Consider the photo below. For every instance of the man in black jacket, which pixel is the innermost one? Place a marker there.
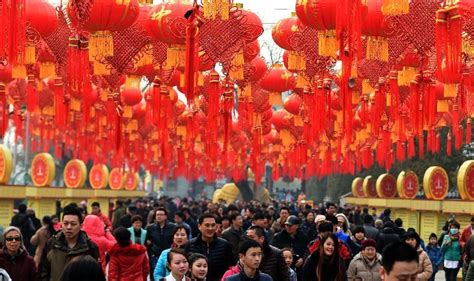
(292, 237)
(387, 236)
(217, 250)
(159, 237)
(234, 233)
(273, 262)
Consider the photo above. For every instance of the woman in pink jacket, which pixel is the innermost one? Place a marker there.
(95, 229)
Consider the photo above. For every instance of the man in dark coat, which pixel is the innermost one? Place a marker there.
(217, 250)
(273, 262)
(387, 236)
(370, 231)
(65, 245)
(234, 233)
(292, 237)
(159, 237)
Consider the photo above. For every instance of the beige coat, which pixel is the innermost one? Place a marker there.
(359, 267)
(39, 240)
(425, 269)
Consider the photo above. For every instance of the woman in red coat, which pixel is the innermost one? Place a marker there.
(15, 259)
(128, 262)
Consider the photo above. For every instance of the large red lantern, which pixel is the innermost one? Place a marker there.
(320, 15)
(167, 23)
(278, 80)
(283, 29)
(42, 16)
(107, 15)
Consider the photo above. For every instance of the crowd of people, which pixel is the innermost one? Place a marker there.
(185, 240)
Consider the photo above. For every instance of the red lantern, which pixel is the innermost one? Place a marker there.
(318, 14)
(284, 29)
(376, 28)
(293, 104)
(278, 80)
(107, 15)
(281, 119)
(167, 23)
(42, 16)
(251, 50)
(131, 96)
(139, 110)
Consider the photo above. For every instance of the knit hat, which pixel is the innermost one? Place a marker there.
(319, 218)
(368, 243)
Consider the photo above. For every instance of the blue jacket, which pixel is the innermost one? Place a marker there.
(142, 235)
(435, 254)
(161, 270)
(240, 277)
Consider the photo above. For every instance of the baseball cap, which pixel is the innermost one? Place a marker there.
(292, 220)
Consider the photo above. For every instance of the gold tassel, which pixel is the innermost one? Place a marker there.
(175, 56)
(366, 87)
(145, 59)
(182, 79)
(328, 44)
(238, 59)
(100, 69)
(19, 71)
(237, 73)
(301, 82)
(216, 8)
(200, 79)
(450, 90)
(123, 2)
(296, 62)
(377, 48)
(30, 54)
(75, 104)
(406, 75)
(275, 99)
(467, 47)
(395, 7)
(355, 97)
(127, 111)
(101, 44)
(47, 69)
(442, 106)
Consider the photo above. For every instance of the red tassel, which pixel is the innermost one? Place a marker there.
(421, 146)
(191, 55)
(60, 113)
(441, 40)
(17, 38)
(3, 111)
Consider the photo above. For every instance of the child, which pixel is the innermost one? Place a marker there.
(434, 252)
(288, 255)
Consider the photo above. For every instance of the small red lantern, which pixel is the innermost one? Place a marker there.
(293, 104)
(278, 80)
(131, 96)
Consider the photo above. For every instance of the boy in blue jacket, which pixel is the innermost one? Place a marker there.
(436, 255)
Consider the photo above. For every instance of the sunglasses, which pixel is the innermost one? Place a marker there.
(10, 239)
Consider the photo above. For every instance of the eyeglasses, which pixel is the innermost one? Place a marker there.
(10, 239)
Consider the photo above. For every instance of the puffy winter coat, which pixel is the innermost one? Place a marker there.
(161, 238)
(360, 267)
(20, 267)
(425, 269)
(273, 263)
(128, 263)
(95, 229)
(57, 255)
(298, 242)
(218, 252)
(39, 240)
